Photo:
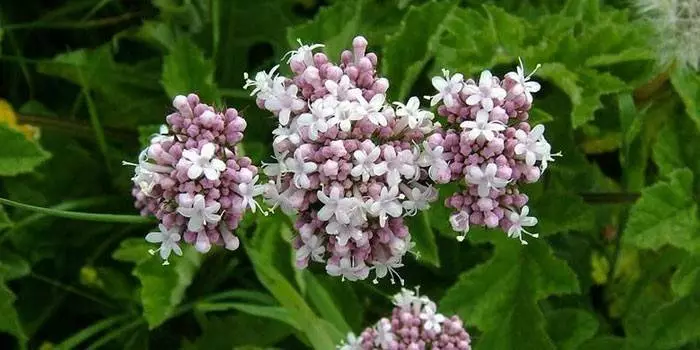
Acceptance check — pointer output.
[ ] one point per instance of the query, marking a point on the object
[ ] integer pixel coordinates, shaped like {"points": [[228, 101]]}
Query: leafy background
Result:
{"points": [[617, 267]]}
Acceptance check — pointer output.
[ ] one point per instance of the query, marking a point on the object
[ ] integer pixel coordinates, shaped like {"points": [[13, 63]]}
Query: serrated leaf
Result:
{"points": [[686, 279], [12, 266], [186, 70], [422, 234], [561, 212], [409, 49], [665, 214], [687, 84], [674, 324], [162, 287], [9, 319], [677, 146], [501, 296], [18, 155], [569, 328], [630, 54]]}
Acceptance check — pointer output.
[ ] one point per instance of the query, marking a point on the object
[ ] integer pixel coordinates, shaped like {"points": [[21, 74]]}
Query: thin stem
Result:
{"points": [[128, 219], [236, 93], [70, 289], [75, 24], [609, 197]]}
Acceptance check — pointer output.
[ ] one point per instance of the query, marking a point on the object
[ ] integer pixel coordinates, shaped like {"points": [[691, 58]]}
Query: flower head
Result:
{"points": [[168, 239]]}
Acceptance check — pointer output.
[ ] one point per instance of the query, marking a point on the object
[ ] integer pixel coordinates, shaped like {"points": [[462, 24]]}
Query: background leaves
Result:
{"points": [[616, 266]]}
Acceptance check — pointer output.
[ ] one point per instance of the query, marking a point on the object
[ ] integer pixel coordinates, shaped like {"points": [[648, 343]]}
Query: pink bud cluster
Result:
{"points": [[191, 178], [348, 163], [414, 325], [489, 144]]}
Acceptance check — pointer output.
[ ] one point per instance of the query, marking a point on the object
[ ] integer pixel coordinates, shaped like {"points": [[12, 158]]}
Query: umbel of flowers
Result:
{"points": [[351, 165], [191, 178], [491, 148], [414, 324]]}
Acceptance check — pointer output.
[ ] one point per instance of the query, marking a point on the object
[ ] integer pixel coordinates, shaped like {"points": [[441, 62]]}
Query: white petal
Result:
{"points": [[208, 150], [154, 237], [194, 172]]}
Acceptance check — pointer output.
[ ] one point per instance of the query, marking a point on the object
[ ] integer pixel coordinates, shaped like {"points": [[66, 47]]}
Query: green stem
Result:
{"points": [[236, 93], [128, 219]]}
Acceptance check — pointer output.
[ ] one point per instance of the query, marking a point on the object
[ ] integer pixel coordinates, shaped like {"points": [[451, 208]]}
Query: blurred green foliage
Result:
{"points": [[617, 267]]}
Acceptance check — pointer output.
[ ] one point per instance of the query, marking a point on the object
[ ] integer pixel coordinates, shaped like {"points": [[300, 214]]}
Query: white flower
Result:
{"points": [[162, 135], [519, 221], [284, 200], [345, 114], [343, 90], [351, 343], [262, 85], [248, 191], [203, 162], [433, 159], [344, 231], [485, 179], [386, 204], [330, 205], [460, 223], [313, 247], [284, 133], [365, 165], [412, 113], [347, 269], [528, 86], [533, 147], [405, 299], [305, 53], [284, 101], [482, 127], [276, 169], [301, 170], [431, 318], [384, 336], [317, 118], [545, 153], [372, 109], [168, 239], [147, 175], [485, 92], [381, 269], [199, 213], [397, 164], [446, 87], [417, 199]]}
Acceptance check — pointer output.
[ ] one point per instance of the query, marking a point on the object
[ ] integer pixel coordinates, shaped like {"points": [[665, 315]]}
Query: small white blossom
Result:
{"points": [[482, 127], [203, 163], [386, 204], [485, 179], [381, 269], [372, 109], [385, 336], [198, 212], [332, 205], [305, 53], [398, 164], [317, 118], [343, 90], [412, 113], [433, 159], [417, 199], [168, 239], [460, 223], [345, 113], [284, 101], [162, 135], [432, 318], [147, 175], [533, 147], [365, 165], [519, 221], [528, 86], [343, 232], [485, 92], [248, 191], [447, 87], [351, 343], [347, 269], [312, 247], [405, 299], [284, 133], [301, 170], [262, 84]]}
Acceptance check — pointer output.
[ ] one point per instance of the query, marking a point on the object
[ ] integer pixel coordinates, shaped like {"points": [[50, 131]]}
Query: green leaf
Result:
{"points": [[605, 343], [687, 84], [12, 266], [239, 330], [9, 319], [538, 116], [334, 26], [5, 221], [324, 303], [674, 324], [665, 214], [186, 70], [413, 44], [562, 212], [271, 312], [501, 296], [569, 328], [422, 234], [18, 155], [162, 287], [686, 279], [629, 54], [677, 146], [97, 327]]}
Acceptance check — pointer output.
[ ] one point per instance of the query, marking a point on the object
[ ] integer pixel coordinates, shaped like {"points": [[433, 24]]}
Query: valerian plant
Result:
{"points": [[278, 196]]}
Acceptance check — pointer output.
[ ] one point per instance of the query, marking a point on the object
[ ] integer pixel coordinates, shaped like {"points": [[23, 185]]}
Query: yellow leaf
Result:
{"points": [[7, 115]]}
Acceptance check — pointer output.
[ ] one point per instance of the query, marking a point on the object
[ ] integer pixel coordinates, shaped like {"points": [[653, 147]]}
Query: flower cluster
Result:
{"points": [[489, 143], [348, 163], [192, 180], [414, 324]]}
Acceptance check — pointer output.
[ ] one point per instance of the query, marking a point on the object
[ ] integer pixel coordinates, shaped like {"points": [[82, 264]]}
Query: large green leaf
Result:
{"points": [[674, 324], [665, 214], [687, 84], [12, 266], [185, 70], [5, 221], [18, 155], [569, 328], [501, 296], [162, 287], [409, 49], [562, 212], [9, 319], [677, 146], [423, 235]]}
